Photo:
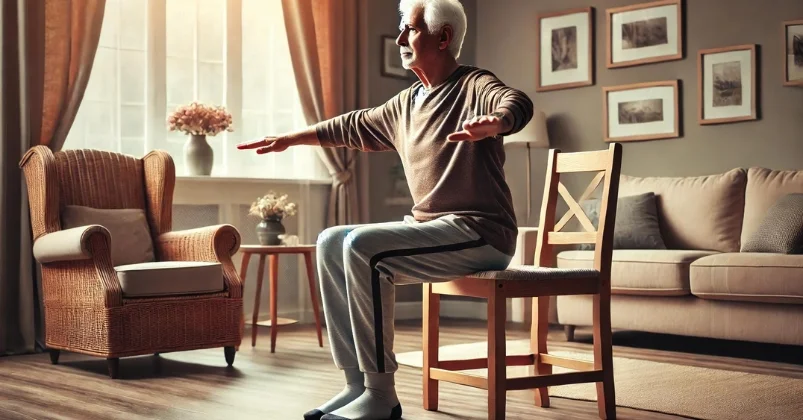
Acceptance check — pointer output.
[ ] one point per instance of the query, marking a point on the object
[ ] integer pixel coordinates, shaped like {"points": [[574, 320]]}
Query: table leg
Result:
{"points": [[260, 276], [243, 272], [313, 295], [274, 291]]}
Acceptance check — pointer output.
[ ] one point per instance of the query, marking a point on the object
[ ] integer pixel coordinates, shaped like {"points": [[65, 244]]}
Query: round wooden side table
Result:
{"points": [[273, 252]]}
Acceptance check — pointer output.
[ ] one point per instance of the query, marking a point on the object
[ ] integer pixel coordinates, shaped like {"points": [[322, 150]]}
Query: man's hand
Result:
{"points": [[479, 128], [266, 145]]}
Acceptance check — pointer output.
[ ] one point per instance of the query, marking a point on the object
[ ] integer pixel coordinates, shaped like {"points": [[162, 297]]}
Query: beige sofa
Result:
{"points": [[703, 285]]}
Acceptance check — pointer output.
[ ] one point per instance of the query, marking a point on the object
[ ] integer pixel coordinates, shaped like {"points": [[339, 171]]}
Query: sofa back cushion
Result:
{"points": [[764, 188], [697, 213]]}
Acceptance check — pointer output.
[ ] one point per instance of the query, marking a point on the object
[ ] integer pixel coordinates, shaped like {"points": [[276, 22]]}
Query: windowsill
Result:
{"points": [[254, 180]]}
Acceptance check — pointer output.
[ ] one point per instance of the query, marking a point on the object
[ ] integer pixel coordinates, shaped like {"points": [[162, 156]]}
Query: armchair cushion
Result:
{"points": [[131, 241], [164, 278]]}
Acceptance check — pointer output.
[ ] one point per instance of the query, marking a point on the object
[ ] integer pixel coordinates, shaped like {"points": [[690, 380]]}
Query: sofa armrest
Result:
{"points": [[211, 243], [77, 269], [68, 244]]}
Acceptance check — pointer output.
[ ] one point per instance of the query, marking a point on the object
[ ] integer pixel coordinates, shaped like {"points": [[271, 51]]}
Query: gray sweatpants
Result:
{"points": [[359, 266]]}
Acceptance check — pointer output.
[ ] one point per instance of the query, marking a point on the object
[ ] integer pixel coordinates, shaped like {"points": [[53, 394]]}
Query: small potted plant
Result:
{"points": [[271, 208], [198, 121]]}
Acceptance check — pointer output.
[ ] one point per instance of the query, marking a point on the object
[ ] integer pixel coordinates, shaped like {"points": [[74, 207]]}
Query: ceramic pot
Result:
{"points": [[198, 156], [268, 231]]}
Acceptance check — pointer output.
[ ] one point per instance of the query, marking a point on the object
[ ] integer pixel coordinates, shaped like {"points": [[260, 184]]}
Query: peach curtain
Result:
{"points": [[327, 47], [48, 50]]}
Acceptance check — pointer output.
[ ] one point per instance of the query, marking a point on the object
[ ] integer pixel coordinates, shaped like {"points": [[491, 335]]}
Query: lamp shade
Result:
{"points": [[534, 133]]}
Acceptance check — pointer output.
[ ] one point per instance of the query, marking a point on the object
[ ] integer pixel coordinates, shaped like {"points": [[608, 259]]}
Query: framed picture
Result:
{"points": [[565, 50], [641, 111], [644, 33], [391, 59], [726, 84], [793, 53]]}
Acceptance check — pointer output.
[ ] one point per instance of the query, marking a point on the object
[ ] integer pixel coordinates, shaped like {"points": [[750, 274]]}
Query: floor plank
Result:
{"points": [[300, 375]]}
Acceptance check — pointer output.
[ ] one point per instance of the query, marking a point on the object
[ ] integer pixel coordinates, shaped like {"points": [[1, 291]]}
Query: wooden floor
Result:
{"points": [[300, 375]]}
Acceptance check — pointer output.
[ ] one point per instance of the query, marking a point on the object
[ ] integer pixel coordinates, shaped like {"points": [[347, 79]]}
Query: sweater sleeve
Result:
{"points": [[368, 130], [495, 96]]}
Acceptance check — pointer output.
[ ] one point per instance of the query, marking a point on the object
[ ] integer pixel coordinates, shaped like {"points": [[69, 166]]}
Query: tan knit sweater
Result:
{"points": [[463, 178]]}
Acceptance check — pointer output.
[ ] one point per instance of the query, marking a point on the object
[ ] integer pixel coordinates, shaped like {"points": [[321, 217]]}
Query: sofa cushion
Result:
{"points": [[131, 241], [764, 188], [749, 277], [663, 272], [636, 225], [696, 213], [781, 230], [164, 278]]}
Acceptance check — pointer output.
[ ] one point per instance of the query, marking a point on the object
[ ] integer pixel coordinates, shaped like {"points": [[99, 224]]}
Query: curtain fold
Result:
{"points": [[48, 50], [327, 48]]}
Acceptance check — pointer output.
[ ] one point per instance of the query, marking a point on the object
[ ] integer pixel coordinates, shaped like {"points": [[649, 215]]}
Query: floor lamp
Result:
{"points": [[533, 135]]}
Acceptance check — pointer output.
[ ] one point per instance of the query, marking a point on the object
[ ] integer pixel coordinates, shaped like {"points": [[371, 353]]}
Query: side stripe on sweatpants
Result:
{"points": [[377, 294]]}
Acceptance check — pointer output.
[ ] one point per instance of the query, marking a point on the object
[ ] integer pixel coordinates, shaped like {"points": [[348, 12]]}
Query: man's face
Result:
{"points": [[416, 44]]}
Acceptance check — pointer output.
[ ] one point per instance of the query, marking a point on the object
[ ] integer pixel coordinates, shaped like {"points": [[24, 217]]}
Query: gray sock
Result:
{"points": [[355, 386], [379, 401]]}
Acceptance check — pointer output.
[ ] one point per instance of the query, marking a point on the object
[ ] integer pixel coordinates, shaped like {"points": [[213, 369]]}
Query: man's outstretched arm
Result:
{"points": [[368, 130]]}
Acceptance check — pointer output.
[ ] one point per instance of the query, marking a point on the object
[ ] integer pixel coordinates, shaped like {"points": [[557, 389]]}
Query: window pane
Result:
{"points": [[103, 79], [133, 25], [210, 83], [133, 146], [109, 29], [180, 15], [132, 121], [180, 81], [255, 84], [132, 77], [211, 29]]}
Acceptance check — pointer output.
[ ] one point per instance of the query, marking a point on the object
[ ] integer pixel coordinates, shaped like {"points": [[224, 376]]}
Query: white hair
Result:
{"points": [[438, 13]]}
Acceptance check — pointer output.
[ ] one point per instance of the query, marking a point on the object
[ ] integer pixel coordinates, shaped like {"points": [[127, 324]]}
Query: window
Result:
{"points": [[155, 55]]}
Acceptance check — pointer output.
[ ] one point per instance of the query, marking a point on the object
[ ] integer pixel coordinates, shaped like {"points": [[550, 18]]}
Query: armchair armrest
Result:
{"points": [[212, 243], [77, 268], [67, 245]]}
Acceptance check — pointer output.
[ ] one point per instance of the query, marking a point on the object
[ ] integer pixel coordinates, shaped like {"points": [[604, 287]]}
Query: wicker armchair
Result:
{"points": [[86, 309]]}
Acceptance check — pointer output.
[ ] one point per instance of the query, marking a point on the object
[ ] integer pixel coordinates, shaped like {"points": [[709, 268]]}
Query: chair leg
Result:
{"points": [[497, 351], [54, 356], [114, 367], [431, 318], [603, 357], [538, 345], [229, 353]]}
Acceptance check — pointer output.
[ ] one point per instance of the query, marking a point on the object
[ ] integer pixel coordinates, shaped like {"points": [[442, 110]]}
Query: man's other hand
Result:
{"points": [[478, 128], [266, 145]]}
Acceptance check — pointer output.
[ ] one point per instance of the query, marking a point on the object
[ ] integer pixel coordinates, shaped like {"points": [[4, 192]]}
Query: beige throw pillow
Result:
{"points": [[131, 238]]}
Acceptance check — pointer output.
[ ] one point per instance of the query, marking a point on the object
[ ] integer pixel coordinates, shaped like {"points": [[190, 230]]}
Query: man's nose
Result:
{"points": [[401, 40]]}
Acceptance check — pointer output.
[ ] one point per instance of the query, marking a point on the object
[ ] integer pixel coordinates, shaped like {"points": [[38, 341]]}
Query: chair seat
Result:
{"points": [[531, 272], [166, 278]]}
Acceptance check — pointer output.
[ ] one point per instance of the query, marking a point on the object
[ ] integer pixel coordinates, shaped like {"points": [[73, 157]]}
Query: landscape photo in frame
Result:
{"points": [[644, 33], [641, 111], [726, 82], [564, 49], [793, 53], [391, 59]]}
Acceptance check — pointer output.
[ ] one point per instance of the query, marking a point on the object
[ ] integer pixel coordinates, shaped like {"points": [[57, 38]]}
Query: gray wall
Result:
{"points": [[506, 42], [384, 20]]}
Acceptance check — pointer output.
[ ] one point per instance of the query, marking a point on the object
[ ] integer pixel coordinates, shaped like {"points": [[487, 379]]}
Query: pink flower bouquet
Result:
{"points": [[200, 119]]}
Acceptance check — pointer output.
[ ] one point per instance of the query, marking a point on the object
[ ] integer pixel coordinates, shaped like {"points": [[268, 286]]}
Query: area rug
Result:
{"points": [[688, 391]]}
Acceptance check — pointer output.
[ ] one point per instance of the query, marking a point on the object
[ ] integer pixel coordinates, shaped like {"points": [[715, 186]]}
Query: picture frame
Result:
{"points": [[793, 53], [727, 88], [565, 49], [391, 64], [641, 111], [644, 33]]}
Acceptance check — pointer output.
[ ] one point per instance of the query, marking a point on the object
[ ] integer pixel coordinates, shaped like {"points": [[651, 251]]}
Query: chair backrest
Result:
{"points": [[98, 179], [607, 164]]}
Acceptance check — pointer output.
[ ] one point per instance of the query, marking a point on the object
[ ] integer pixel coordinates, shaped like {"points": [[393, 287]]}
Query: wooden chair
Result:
{"points": [[539, 282], [86, 307]]}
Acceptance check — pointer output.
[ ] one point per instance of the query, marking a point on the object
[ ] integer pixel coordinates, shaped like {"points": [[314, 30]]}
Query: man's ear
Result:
{"points": [[446, 37]]}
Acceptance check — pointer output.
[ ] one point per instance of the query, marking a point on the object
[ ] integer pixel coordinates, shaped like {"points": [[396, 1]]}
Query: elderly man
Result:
{"points": [[447, 130]]}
